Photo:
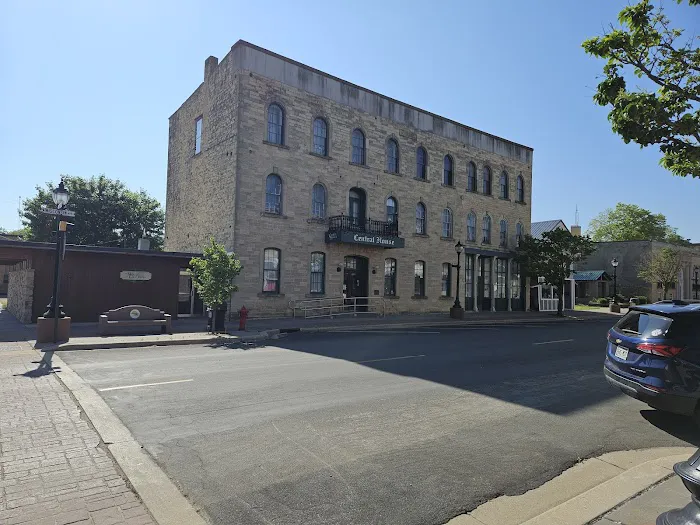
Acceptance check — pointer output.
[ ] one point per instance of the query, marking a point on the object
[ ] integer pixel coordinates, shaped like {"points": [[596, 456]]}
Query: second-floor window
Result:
{"points": [[275, 124], [320, 137], [198, 136], [392, 156], [358, 147], [518, 234], [420, 218], [503, 234], [273, 194], [392, 210], [447, 223], [318, 202], [486, 237], [471, 227]]}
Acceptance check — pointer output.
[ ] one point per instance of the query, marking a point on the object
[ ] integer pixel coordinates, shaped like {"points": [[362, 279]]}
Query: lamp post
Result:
{"points": [[614, 263], [695, 270], [60, 199], [456, 311]]}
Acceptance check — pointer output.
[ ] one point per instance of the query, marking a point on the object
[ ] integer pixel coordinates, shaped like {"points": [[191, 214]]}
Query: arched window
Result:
{"points": [[392, 156], [471, 177], [421, 164], [471, 227], [504, 186], [486, 238], [518, 234], [503, 234], [446, 290], [419, 279], [318, 202], [390, 277], [392, 210], [275, 124], [320, 137], [358, 147], [487, 181], [420, 218], [521, 189], [447, 173], [271, 271], [273, 194], [318, 273], [447, 223]]}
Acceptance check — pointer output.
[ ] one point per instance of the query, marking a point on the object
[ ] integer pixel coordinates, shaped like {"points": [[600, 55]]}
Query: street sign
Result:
{"points": [[58, 213]]}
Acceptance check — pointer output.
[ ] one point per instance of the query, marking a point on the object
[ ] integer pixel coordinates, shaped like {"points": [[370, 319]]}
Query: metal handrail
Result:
{"points": [[333, 306], [348, 223]]}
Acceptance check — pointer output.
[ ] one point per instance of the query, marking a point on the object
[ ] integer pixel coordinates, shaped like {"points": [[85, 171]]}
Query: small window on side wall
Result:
{"points": [[275, 124], [318, 202], [521, 189], [358, 147], [447, 172], [198, 136], [320, 137], [420, 218], [421, 164], [392, 156], [487, 181], [271, 271], [273, 194]]}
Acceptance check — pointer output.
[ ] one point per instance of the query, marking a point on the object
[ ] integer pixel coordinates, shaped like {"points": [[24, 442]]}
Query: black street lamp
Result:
{"points": [[696, 269], [60, 199], [456, 311], [614, 263]]}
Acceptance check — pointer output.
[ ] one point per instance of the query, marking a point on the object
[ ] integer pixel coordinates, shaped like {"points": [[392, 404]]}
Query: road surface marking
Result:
{"points": [[380, 331], [552, 342], [144, 384], [390, 359]]}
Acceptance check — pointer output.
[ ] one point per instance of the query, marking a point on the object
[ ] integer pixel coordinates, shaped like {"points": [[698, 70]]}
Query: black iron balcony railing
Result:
{"points": [[353, 224]]}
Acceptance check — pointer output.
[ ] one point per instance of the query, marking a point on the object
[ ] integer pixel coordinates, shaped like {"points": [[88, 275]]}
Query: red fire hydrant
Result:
{"points": [[243, 313]]}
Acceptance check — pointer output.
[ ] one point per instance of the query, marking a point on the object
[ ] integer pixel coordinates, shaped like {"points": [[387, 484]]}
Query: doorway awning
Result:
{"points": [[591, 275]]}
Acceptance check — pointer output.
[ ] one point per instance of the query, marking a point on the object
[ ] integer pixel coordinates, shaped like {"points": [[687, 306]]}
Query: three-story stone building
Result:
{"points": [[327, 189]]}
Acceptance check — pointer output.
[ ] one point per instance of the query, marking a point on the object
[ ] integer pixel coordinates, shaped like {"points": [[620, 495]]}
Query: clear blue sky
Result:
{"points": [[87, 86]]}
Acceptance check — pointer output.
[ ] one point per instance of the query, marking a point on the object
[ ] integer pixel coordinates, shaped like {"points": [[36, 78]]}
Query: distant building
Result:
{"points": [[538, 228], [630, 254], [326, 189]]}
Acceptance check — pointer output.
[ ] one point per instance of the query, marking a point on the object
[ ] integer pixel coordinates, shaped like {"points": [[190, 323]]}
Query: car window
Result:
{"points": [[644, 324], [685, 328]]}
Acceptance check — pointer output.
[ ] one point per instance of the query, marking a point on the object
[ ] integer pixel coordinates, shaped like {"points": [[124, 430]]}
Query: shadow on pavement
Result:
{"points": [[505, 363], [45, 367], [682, 427]]}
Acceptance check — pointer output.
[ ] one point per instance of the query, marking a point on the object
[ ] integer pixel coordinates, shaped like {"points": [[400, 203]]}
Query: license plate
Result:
{"points": [[621, 352]]}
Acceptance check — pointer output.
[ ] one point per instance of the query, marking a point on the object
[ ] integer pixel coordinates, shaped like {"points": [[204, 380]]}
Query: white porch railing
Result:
{"points": [[549, 305], [332, 306]]}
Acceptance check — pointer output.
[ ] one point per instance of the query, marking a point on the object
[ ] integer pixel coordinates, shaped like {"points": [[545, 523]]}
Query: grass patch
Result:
{"points": [[3, 302], [590, 308]]}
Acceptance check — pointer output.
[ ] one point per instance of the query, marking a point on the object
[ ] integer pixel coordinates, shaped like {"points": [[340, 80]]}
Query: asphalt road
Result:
{"points": [[407, 427]]}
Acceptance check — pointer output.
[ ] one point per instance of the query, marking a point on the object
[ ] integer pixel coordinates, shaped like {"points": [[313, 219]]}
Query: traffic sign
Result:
{"points": [[58, 213]]}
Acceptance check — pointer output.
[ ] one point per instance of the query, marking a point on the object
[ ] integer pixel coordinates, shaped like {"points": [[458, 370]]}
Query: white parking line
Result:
{"points": [[145, 384], [381, 332], [389, 359], [552, 342]]}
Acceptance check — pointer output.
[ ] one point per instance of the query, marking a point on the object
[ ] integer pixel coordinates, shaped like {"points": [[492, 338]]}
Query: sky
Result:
{"points": [[87, 86]]}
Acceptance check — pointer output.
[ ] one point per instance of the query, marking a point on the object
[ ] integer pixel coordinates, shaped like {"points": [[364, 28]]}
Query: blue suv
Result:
{"points": [[653, 355]]}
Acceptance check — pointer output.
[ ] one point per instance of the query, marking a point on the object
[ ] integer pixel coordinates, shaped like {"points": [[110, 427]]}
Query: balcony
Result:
{"points": [[346, 229]]}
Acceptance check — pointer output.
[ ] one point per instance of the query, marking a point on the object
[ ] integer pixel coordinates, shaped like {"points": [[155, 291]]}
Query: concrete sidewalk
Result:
{"points": [[644, 508]]}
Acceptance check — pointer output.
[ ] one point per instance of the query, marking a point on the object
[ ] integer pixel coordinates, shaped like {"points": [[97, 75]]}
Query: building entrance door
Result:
{"points": [[356, 281], [189, 303], [485, 291]]}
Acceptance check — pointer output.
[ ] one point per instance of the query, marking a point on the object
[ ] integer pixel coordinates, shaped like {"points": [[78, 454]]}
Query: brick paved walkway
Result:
{"points": [[52, 468]]}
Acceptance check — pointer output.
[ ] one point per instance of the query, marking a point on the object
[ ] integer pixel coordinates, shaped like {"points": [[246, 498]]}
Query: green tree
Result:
{"points": [[107, 214], [661, 267], [629, 222], [668, 115], [213, 274], [552, 257]]}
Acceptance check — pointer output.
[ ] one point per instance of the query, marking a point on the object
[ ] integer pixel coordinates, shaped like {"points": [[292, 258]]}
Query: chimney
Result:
{"points": [[210, 65], [576, 231], [144, 244]]}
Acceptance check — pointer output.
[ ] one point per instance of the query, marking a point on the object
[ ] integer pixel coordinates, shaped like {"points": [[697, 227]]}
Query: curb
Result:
{"points": [[582, 493], [464, 324], [158, 493], [77, 345]]}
